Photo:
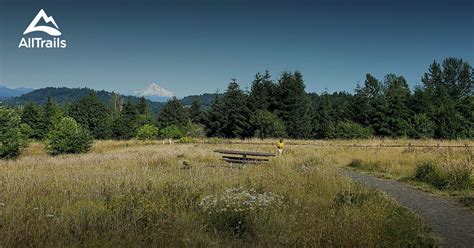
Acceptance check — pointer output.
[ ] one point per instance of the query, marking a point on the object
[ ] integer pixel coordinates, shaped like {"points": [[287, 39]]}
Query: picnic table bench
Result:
{"points": [[244, 157]]}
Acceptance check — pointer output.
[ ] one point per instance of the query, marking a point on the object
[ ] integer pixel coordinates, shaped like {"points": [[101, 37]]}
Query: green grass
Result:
{"points": [[447, 172]]}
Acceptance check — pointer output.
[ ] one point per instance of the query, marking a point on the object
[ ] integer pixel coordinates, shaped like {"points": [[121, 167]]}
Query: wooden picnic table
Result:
{"points": [[245, 156]]}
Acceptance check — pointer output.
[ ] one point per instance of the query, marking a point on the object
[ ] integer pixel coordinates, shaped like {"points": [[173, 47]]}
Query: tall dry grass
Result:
{"points": [[135, 193]]}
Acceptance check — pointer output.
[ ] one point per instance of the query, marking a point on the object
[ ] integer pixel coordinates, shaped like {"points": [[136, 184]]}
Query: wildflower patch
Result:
{"points": [[236, 210]]}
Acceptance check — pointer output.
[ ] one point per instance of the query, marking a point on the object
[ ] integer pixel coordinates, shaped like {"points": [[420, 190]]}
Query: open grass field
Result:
{"points": [[132, 193]]}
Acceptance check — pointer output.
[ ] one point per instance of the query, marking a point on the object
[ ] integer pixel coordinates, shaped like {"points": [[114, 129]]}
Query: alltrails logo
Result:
{"points": [[38, 42]]}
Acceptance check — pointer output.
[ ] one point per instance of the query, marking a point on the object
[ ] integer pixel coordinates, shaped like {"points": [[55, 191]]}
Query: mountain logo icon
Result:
{"points": [[47, 29]]}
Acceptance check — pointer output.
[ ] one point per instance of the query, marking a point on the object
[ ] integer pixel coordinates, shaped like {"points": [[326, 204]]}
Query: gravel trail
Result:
{"points": [[448, 219]]}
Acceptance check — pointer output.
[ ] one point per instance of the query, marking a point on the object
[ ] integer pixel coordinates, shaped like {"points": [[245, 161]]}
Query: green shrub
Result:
{"points": [[352, 197], [356, 163], [457, 177], [147, 132], [68, 137], [171, 132], [186, 140], [350, 130], [267, 124], [11, 139], [26, 131], [194, 130], [427, 172]]}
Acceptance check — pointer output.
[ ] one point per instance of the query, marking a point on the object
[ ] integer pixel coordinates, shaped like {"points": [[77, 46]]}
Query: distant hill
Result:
{"points": [[206, 99], [63, 94], [6, 93]]}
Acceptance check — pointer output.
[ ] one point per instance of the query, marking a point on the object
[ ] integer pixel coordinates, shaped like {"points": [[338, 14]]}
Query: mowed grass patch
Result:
{"points": [[151, 194]]}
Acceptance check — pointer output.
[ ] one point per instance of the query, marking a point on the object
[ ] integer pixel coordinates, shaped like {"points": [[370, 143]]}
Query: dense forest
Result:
{"points": [[441, 107], [65, 96]]}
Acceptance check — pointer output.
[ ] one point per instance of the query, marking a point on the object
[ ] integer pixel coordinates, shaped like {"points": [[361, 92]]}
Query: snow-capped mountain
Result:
{"points": [[154, 92]]}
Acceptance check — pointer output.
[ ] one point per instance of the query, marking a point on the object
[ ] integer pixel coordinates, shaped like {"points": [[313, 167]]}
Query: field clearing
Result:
{"points": [[133, 193]]}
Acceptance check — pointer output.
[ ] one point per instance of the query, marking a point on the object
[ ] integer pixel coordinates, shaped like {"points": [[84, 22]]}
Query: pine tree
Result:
{"points": [[51, 114], [196, 114], [397, 95], [261, 93], [215, 118], [236, 113], [92, 114], [126, 125], [294, 107], [450, 89], [32, 115], [323, 125], [370, 106], [173, 113], [361, 108], [142, 107], [11, 139]]}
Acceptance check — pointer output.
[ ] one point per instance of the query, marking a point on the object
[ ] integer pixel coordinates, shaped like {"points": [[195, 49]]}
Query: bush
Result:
{"points": [[352, 197], [267, 125], [171, 132], [427, 172], [457, 177], [186, 140], [11, 139], [147, 132], [26, 131], [194, 130], [356, 163], [68, 137], [350, 130]]}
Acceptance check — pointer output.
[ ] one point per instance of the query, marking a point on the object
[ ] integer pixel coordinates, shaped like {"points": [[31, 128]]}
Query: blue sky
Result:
{"points": [[192, 47]]}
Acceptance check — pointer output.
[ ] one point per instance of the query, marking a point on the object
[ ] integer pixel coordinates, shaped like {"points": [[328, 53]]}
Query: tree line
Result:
{"points": [[442, 107]]}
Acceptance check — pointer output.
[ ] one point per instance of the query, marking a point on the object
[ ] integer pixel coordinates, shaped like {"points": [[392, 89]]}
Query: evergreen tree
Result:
{"points": [[196, 114], [173, 113], [125, 126], [215, 118], [32, 115], [361, 108], [397, 95], [262, 93], [370, 106], [236, 113], [67, 136], [323, 125], [294, 107], [92, 114], [422, 126], [51, 114], [142, 107], [11, 139], [144, 115], [450, 89], [420, 101]]}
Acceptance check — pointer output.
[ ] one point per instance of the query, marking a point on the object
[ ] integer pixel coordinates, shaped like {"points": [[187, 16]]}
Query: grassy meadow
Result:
{"points": [[146, 193]]}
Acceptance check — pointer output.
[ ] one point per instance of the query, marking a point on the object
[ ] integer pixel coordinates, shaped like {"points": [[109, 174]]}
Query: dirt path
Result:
{"points": [[449, 220]]}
